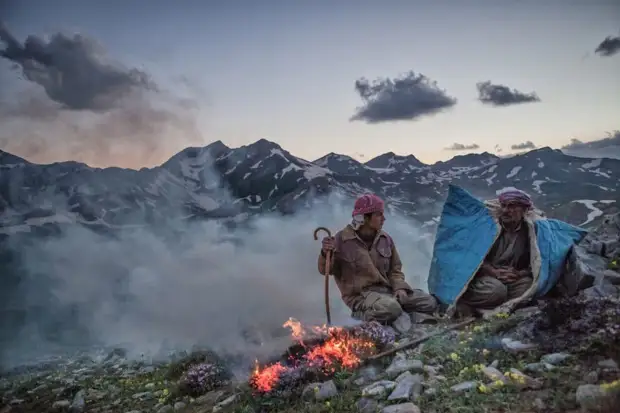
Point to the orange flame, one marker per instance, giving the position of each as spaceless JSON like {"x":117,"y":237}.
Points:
{"x":339,"y":349}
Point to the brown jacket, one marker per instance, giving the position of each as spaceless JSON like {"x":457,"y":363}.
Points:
{"x":355,"y":268}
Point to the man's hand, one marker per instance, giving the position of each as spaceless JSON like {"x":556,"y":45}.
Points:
{"x":400,"y":295}
{"x":506,"y":274}
{"x":328,"y":244}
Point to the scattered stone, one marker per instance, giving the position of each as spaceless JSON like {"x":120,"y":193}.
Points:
{"x":516,"y":346}
{"x":210,"y":398}
{"x":463,"y":387}
{"x":378,"y":389}
{"x":494,"y":374}
{"x":555,"y":358}
{"x":523,"y":380}
{"x":365,"y":405}
{"x":408,"y":386}
{"x":366,"y":375}
{"x":78,"y":404}
{"x":608,"y":364}
{"x":612,"y":277}
{"x":165,"y":409}
{"x":320,"y":391}
{"x":494,"y":364}
{"x":400,"y":365}
{"x":402,"y":324}
{"x":590,"y":396}
{"x":591,"y":377}
{"x":225,"y":403}
{"x":539,"y":404}
{"x":147,"y":395}
{"x":61,"y":404}
{"x":178,"y":406}
{"x":401,"y":408}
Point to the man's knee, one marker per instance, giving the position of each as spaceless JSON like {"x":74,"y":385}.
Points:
{"x":486,"y":292}
{"x":421,"y":302}
{"x":385,"y":309}
{"x":519,"y":287}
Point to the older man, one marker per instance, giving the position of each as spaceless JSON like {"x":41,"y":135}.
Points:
{"x":506,"y":272}
{"x":367,"y":268}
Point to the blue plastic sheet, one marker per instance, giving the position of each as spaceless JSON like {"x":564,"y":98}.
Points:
{"x":465,"y":234}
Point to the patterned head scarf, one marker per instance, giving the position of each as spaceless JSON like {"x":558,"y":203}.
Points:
{"x":515,"y":196}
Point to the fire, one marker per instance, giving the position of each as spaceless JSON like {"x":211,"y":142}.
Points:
{"x":339,"y":349}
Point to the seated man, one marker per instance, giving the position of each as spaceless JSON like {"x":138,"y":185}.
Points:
{"x":367,"y":268}
{"x":506,"y":271}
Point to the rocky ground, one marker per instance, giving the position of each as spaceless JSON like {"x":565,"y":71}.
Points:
{"x":525,"y":362}
{"x":561,"y":355}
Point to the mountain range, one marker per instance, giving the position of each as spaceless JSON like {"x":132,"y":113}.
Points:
{"x":216,"y":181}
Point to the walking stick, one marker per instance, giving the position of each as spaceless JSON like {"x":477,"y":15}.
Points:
{"x":328,"y":268}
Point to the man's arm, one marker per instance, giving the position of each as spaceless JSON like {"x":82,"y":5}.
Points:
{"x":395,"y":275}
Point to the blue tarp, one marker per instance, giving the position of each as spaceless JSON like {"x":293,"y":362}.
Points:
{"x":466,"y":233}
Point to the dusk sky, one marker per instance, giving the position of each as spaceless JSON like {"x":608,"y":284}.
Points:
{"x":286,"y":71}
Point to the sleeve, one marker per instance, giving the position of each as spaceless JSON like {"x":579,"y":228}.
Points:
{"x":335,"y":264}
{"x":396,"y":276}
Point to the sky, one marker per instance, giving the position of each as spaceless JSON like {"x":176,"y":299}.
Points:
{"x":475,"y":75}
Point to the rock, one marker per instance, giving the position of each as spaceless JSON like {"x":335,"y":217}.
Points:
{"x":320,"y":391}
{"x":178,"y":406}
{"x":591,"y":377}
{"x":523,"y":380}
{"x":147,"y":395}
{"x":604,"y":289}
{"x":401,"y":408}
{"x":612,"y":277}
{"x":366,"y":375}
{"x":590,"y":396}
{"x":431,"y":370}
{"x":378,"y":389}
{"x":225,"y":403}
{"x":408,"y":386}
{"x":134,"y":411}
{"x":400,"y":365}
{"x":516,"y":346}
{"x":463,"y":387}
{"x":539,"y":404}
{"x":402,"y":324}
{"x":61,"y":405}
{"x":78,"y":404}
{"x":555,"y":358}
{"x":494,"y":364}
{"x":365,"y":405}
{"x":165,"y":409}
{"x":210,"y":398}
{"x":608,"y":364}
{"x":494,"y":374}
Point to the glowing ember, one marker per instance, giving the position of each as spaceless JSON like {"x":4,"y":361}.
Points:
{"x":338,"y":348}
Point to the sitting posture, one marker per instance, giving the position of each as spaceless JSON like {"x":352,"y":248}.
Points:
{"x":367,"y":268}
{"x":505,"y":273}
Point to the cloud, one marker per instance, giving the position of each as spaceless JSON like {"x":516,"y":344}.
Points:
{"x":608,"y":147}
{"x":408,"y":97}
{"x":462,"y":147}
{"x":608,"y":47}
{"x":523,"y":146}
{"x":79,"y":106}
{"x":501,"y":95}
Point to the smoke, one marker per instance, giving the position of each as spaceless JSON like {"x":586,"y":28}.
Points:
{"x":79,"y":105}
{"x":501,"y":95}
{"x":150,"y":291}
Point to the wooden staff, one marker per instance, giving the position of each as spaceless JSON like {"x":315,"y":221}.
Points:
{"x":328,"y":268}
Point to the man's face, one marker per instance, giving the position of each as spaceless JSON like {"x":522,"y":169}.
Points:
{"x":512,"y":212}
{"x":376,"y":221}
